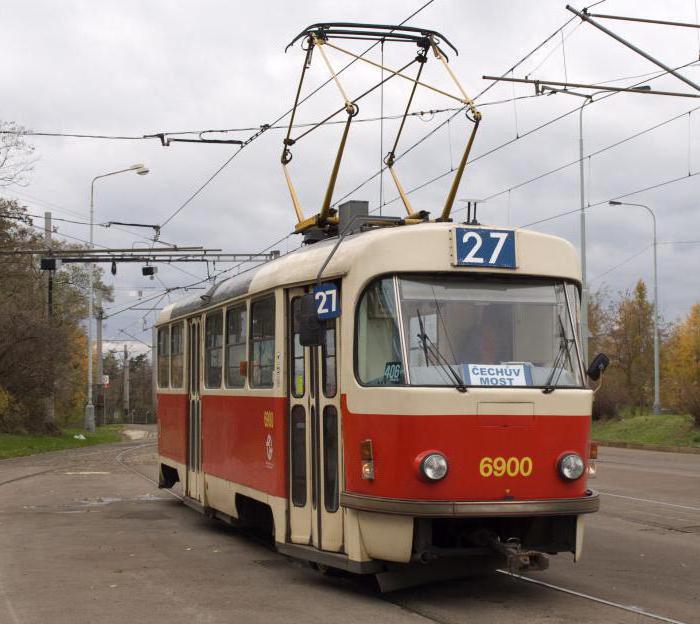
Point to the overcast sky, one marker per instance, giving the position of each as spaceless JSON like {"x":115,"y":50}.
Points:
{"x":131,"y":68}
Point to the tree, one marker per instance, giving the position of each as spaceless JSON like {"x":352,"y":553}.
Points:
{"x":682,"y":365}
{"x":37,"y":354}
{"x":608,"y":398}
{"x":631,"y":343}
{"x":16,"y":159}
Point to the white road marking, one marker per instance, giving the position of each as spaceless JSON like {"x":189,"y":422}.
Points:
{"x":648,"y":500}
{"x":88,"y":472}
{"x":609,"y":603}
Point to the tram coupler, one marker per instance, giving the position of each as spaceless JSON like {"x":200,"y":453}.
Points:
{"x":517,"y":559}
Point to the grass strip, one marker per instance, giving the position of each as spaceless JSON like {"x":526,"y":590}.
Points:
{"x":19,"y":445}
{"x":663,"y":429}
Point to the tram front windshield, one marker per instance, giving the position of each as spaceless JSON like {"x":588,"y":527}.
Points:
{"x":458,"y":330}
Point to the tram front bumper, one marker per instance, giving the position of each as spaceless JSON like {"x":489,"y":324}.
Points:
{"x":588,"y":503}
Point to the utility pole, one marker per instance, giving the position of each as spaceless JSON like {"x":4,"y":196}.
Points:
{"x":126,"y":382}
{"x":49,"y":417}
{"x":100,"y":372}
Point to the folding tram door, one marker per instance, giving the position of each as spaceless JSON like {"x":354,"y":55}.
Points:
{"x":195,"y":478}
{"x":314,"y":435}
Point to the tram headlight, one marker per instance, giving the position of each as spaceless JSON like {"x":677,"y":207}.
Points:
{"x":433,"y":466}
{"x":571,"y":466}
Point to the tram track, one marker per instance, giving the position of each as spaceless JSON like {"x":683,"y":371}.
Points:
{"x":432,"y":617}
{"x":603,"y":601}
{"x":48,"y":470}
{"x":633,"y":609}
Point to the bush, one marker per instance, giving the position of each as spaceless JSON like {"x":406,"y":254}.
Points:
{"x":605,"y":404}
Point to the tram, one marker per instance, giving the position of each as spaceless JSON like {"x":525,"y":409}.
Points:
{"x":399,"y":393}
{"x":440,"y":409}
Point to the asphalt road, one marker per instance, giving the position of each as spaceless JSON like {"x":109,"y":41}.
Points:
{"x":86,"y":537}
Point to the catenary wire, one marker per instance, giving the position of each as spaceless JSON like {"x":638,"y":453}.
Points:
{"x":264,"y":128}
{"x":618,"y":197}
{"x":591,"y":154}
{"x":505,"y":144}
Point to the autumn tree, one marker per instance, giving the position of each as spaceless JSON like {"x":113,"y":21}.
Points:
{"x":631,"y":344}
{"x":38,"y":353}
{"x":682,"y":366}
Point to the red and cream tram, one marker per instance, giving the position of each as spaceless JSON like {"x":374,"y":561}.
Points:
{"x":441,"y":411}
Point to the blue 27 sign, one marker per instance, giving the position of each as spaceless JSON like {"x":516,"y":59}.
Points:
{"x":327,"y":301}
{"x":485,"y":248}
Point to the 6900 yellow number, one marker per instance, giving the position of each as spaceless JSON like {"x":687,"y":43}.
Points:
{"x":502,"y":466}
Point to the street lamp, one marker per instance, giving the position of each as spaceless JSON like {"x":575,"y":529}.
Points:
{"x":140,"y":169}
{"x":657,"y":396}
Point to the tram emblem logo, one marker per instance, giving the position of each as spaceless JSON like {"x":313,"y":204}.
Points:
{"x":269,"y":451}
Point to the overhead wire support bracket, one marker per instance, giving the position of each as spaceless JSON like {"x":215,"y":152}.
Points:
{"x":541,"y":83}
{"x":587,"y":18}
{"x":318,"y":36}
{"x":166,"y":140}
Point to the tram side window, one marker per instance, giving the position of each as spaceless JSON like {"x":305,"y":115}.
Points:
{"x":177,"y":354}
{"x":213,"y":344}
{"x":379,"y":360}
{"x":262,"y":342}
{"x":163,"y":357}
{"x":330,"y":458}
{"x":297,"y":352}
{"x":236,"y":329}
{"x":330,"y":384}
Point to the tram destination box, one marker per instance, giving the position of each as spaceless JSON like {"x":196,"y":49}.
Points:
{"x":482,"y":247}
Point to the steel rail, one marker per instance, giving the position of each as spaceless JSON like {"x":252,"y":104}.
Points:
{"x":603,"y":601}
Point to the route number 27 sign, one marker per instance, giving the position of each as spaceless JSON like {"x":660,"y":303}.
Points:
{"x":479,"y":247}
{"x":327,"y":299}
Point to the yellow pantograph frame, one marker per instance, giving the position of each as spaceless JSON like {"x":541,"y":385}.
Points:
{"x":326,"y":215}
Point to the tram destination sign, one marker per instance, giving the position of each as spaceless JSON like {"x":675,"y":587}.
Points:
{"x":479,"y":247}
{"x":509,"y":374}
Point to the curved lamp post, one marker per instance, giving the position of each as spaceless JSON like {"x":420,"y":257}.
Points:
{"x":140,"y":169}
{"x":657,"y":394}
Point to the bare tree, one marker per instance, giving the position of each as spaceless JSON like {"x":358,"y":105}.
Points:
{"x":16,"y":155}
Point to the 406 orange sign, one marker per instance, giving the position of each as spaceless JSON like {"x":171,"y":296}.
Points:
{"x":502,"y":466}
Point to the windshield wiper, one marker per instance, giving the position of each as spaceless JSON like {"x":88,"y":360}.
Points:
{"x":430,"y":347}
{"x":564,"y":350}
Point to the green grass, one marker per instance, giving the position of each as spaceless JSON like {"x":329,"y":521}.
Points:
{"x":18,"y":445}
{"x":664,"y":429}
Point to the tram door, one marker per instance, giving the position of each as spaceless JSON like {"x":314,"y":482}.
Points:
{"x":315,"y":517}
{"x":194,"y":485}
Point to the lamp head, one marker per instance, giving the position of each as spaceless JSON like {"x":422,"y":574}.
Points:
{"x":612,"y":202}
{"x":140,"y":169}
{"x":641,"y":88}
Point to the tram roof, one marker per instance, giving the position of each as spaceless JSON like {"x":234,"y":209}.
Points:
{"x":425,"y":247}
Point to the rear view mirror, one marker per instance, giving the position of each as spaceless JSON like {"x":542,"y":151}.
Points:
{"x":598,"y":365}
{"x":311,"y":329}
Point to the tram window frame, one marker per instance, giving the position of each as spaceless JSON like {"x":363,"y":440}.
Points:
{"x":256,"y":342}
{"x":239,"y":379}
{"x":163,"y":358}
{"x":210,"y":350}
{"x":330,"y":385}
{"x":331,"y":465}
{"x":377,"y":313}
{"x":180,"y":354}
{"x":298,"y":476}
{"x":296,"y":351}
